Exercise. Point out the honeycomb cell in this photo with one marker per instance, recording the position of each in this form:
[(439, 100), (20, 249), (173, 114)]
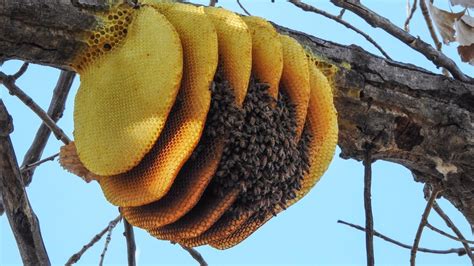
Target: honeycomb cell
[(126, 94)]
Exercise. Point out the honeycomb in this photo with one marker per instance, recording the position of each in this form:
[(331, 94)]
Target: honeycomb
[(295, 78), (266, 51), (322, 122), (108, 122), (208, 210), (196, 174), (224, 227), (152, 178), (235, 49)]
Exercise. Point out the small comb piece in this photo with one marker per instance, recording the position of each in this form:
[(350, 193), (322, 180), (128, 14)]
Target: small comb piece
[(69, 160)]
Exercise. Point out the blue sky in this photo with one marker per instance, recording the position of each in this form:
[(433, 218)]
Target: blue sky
[(71, 212)]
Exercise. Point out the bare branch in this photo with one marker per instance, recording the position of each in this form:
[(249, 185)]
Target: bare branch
[(32, 166), (310, 8), (196, 255), (341, 13), (109, 230), (375, 20), (369, 220), (410, 15), (459, 251), (130, 238), (23, 221), (424, 220), (212, 2), (243, 8), (55, 111), (21, 71), (453, 227), (443, 233), (9, 82), (76, 257)]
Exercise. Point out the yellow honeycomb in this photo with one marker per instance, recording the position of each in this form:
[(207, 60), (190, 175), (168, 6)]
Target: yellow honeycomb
[(118, 114), (295, 78), (198, 220), (267, 53), (152, 179), (235, 49)]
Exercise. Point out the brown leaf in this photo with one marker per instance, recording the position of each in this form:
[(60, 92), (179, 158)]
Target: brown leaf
[(465, 30), (464, 3), (467, 53), (444, 22)]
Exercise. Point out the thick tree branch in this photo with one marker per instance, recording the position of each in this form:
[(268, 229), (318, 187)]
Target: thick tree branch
[(417, 44), (55, 111), (22, 219), (413, 117)]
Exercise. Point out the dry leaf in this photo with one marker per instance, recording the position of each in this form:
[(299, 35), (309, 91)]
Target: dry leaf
[(444, 22), (465, 30), (467, 53), (464, 3)]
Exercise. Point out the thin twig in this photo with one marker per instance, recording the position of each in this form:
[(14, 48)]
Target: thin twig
[(21, 71), (55, 111), (434, 36), (243, 8), (76, 257), (196, 255), (459, 251), (369, 222), (212, 2), (410, 15), (130, 238), (107, 242), (443, 233), (341, 13), (423, 222), (375, 20), (9, 83), (31, 166), (456, 231), (310, 8)]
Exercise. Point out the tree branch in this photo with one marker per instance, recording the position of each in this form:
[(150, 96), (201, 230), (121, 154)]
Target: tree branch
[(55, 111), (196, 255), (423, 222), (22, 219), (369, 220), (243, 8), (459, 251), (339, 20), (130, 238), (443, 233), (77, 256), (410, 15), (417, 44), (453, 227), (109, 230), (9, 83)]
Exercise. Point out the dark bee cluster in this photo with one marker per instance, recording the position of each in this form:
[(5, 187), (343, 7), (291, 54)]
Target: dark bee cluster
[(262, 158)]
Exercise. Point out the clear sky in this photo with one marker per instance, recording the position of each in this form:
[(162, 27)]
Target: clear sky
[(71, 211)]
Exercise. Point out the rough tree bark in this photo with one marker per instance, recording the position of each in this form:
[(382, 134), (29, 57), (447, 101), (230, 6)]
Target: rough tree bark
[(413, 117)]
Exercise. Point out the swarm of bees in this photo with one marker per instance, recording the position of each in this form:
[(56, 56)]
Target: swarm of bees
[(200, 124)]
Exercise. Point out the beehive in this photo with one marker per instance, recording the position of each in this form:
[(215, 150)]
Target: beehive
[(250, 121)]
